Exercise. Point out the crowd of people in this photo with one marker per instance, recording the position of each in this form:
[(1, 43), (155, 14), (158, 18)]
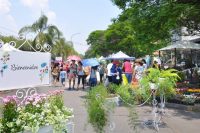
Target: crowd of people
[(74, 71), (114, 72), (133, 71)]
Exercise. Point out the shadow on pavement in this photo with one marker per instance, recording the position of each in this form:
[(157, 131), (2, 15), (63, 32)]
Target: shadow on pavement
[(187, 114)]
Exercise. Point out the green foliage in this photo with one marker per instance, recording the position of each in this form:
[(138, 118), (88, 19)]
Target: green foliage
[(98, 106), (56, 100), (126, 94), (44, 33), (112, 88), (10, 115), (144, 26), (95, 108), (182, 76), (62, 49), (164, 79)]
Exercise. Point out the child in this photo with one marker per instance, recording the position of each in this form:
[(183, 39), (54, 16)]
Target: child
[(63, 76)]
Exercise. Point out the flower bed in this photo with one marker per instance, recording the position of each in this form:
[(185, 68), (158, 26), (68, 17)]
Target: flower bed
[(35, 112)]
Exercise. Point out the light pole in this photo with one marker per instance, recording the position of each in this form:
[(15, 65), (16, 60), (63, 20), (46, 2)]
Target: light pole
[(72, 37)]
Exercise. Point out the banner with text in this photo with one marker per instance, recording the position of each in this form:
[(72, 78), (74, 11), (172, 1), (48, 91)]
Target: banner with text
[(24, 69)]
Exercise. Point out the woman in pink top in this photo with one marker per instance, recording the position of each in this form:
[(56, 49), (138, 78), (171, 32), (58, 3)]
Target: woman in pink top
[(128, 70)]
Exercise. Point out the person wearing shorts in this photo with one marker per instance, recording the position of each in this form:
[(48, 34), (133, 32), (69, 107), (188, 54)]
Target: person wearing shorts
[(72, 74), (81, 75), (63, 74)]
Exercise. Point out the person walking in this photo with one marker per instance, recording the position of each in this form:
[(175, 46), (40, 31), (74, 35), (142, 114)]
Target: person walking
[(117, 73), (139, 70), (108, 71), (93, 76), (72, 74), (128, 70), (55, 74), (81, 74), (101, 72), (63, 75)]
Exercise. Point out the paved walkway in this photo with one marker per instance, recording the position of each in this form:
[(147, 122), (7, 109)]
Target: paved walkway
[(176, 121)]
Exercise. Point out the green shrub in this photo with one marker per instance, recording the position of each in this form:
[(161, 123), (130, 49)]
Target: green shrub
[(112, 88), (97, 115)]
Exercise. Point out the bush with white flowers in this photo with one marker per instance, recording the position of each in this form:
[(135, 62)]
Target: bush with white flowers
[(37, 111)]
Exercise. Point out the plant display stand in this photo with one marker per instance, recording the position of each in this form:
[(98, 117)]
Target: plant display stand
[(157, 111)]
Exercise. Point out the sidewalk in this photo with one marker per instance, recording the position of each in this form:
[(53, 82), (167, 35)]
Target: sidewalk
[(175, 121)]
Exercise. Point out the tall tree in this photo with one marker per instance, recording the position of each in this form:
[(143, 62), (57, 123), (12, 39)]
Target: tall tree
[(62, 49), (44, 32), (146, 25)]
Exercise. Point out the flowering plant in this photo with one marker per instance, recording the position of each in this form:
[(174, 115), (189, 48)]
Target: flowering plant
[(36, 111), (31, 115), (59, 113), (10, 114)]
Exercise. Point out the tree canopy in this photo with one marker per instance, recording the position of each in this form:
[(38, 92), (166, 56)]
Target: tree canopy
[(145, 26), (44, 33)]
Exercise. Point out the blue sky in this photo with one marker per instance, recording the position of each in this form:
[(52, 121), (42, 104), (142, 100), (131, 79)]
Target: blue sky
[(71, 16)]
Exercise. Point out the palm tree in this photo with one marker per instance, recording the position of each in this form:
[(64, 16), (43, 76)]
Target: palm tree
[(44, 32), (62, 49)]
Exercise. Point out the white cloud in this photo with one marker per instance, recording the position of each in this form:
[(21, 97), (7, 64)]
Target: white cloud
[(5, 6), (8, 24), (35, 3), (52, 16), (11, 21), (38, 6)]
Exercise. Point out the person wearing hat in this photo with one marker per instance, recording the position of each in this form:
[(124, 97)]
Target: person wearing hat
[(139, 70)]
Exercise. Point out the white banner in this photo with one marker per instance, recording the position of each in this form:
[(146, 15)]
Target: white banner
[(59, 59), (24, 69)]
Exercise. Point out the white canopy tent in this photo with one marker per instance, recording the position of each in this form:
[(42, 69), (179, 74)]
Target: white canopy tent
[(181, 45), (120, 56), (101, 58)]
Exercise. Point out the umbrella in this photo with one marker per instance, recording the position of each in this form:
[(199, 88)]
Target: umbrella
[(74, 57), (90, 62)]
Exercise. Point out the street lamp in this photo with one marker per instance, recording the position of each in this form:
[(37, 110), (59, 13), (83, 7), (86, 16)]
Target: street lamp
[(72, 37)]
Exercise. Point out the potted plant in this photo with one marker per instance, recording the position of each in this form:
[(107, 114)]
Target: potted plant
[(38, 113), (100, 105), (112, 94), (163, 80)]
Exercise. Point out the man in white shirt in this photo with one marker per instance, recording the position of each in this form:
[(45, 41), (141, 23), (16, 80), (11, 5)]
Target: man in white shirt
[(108, 72)]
